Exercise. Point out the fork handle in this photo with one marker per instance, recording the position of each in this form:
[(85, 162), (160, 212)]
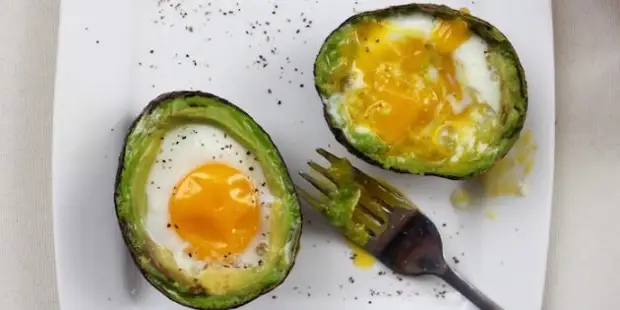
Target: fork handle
[(469, 291)]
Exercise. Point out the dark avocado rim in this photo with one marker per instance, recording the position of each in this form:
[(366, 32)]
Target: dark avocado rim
[(161, 99), (478, 26)]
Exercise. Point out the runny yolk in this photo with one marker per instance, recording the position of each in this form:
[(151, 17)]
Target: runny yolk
[(448, 35), (410, 86), (215, 208)]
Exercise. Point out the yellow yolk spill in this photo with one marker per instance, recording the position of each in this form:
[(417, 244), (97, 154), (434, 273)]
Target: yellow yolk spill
[(361, 259), (215, 208), (409, 87), (460, 198), (490, 215), (506, 178)]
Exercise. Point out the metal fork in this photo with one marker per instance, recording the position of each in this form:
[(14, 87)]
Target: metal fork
[(379, 218)]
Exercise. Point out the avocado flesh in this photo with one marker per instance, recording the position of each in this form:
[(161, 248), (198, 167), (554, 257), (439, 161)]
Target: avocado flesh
[(215, 288), (501, 56), (354, 190), (341, 202)]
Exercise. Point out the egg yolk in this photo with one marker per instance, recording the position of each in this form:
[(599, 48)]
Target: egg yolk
[(215, 208), (410, 86)]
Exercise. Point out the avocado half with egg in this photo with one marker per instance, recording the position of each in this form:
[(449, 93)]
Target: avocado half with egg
[(422, 89), (205, 202)]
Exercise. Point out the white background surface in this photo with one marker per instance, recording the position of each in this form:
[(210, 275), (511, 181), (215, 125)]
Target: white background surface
[(584, 245), (115, 56)]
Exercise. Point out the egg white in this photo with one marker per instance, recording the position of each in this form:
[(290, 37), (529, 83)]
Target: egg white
[(182, 150)]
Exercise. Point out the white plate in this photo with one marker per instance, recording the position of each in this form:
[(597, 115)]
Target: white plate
[(116, 55)]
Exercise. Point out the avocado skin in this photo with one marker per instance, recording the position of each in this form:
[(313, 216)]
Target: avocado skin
[(124, 225), (480, 27)]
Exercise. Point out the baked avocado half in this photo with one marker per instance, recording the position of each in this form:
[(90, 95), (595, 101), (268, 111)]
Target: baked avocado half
[(422, 89), (205, 202)]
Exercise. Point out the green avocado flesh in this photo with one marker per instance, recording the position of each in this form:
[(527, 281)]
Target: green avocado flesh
[(344, 77), (213, 287), (354, 190), (341, 203)]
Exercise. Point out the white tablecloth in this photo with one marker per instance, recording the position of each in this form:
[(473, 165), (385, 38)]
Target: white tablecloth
[(585, 245)]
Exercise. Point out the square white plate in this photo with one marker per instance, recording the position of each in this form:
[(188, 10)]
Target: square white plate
[(116, 55)]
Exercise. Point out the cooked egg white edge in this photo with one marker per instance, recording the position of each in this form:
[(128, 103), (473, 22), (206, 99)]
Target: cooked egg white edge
[(201, 143), (475, 72), (423, 24)]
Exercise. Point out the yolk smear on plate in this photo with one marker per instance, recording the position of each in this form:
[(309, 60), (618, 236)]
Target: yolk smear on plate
[(490, 215), (507, 177), (408, 91), (361, 259), (460, 198)]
